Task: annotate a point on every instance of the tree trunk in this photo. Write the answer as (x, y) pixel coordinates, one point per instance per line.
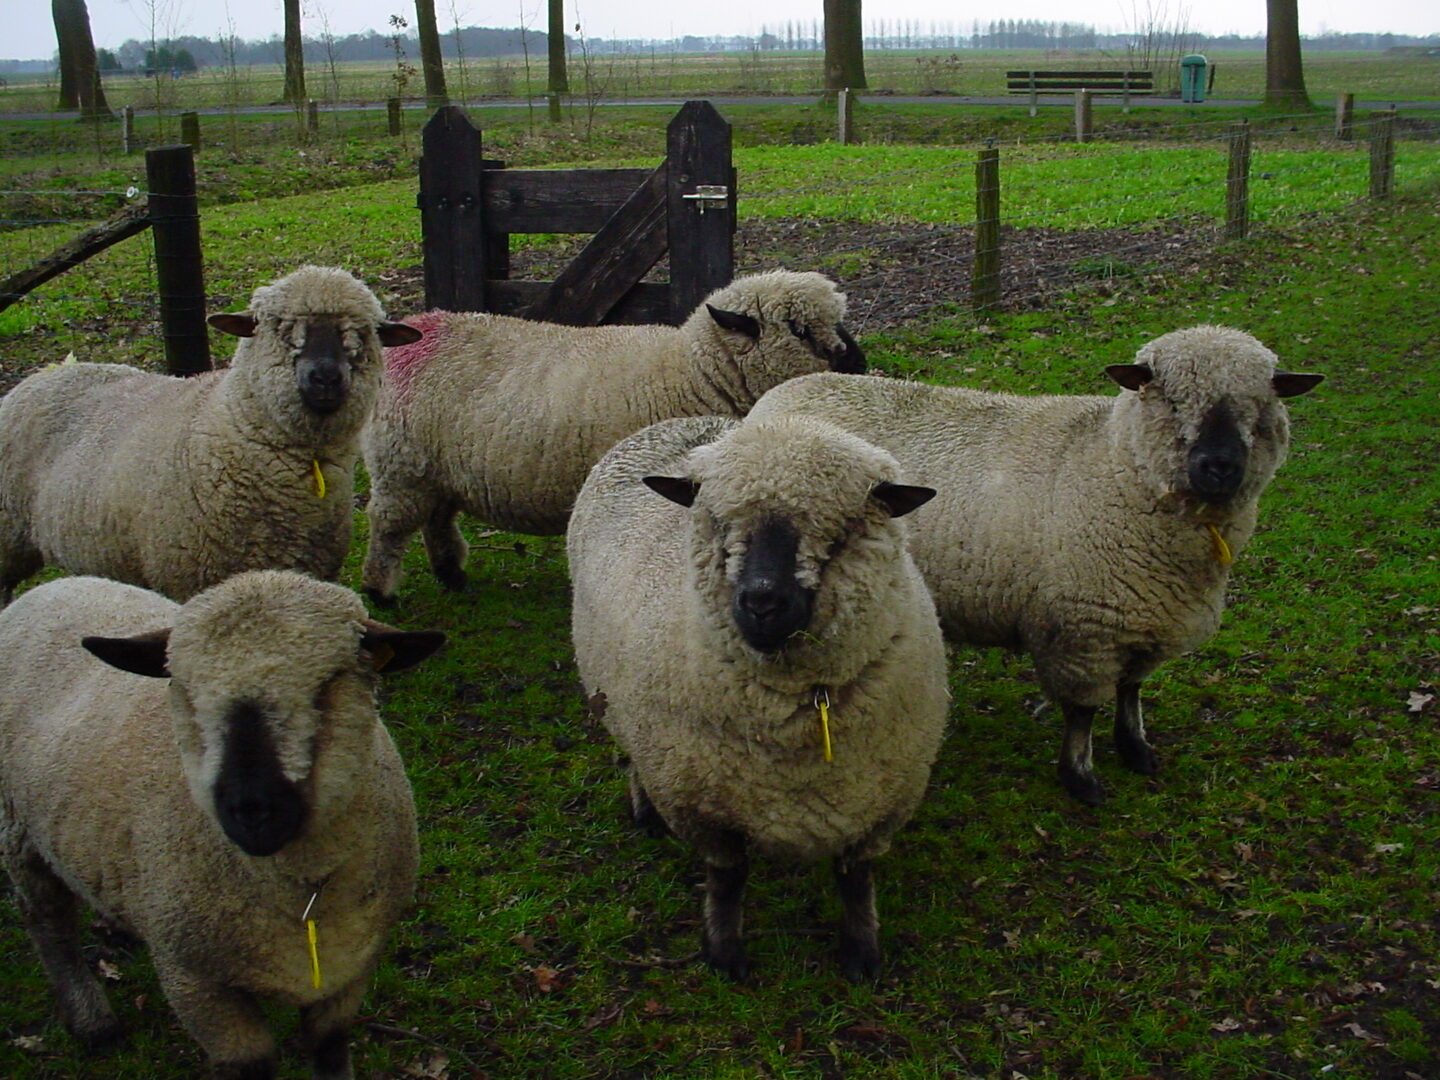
(294, 55)
(431, 62)
(844, 46)
(1284, 74)
(79, 73)
(559, 83)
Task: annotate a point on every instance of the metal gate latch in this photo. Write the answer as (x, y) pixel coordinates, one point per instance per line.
(709, 195)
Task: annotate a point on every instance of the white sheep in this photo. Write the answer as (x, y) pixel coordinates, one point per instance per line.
(502, 418)
(763, 649)
(175, 484)
(1094, 533)
(223, 818)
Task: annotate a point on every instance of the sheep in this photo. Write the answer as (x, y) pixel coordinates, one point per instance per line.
(1094, 533)
(175, 484)
(502, 418)
(250, 821)
(763, 650)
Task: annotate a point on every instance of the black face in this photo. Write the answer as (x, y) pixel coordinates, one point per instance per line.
(322, 373)
(1216, 462)
(770, 605)
(851, 359)
(259, 808)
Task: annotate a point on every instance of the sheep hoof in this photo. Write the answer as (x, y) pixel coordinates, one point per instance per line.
(260, 1069)
(1082, 786)
(101, 1037)
(1138, 757)
(387, 601)
(859, 961)
(730, 960)
(453, 580)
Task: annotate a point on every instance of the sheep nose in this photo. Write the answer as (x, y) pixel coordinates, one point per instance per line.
(1216, 477)
(763, 602)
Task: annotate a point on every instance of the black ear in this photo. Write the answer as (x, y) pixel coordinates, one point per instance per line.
(395, 650)
(1130, 376)
(235, 323)
(398, 333)
(900, 499)
(143, 654)
(677, 489)
(1293, 383)
(737, 321)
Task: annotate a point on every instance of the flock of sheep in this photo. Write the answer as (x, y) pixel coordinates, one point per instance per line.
(768, 551)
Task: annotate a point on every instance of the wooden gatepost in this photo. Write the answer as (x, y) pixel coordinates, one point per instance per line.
(685, 208)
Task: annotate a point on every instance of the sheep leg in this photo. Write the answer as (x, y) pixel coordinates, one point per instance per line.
(48, 911)
(859, 948)
(325, 1028)
(1077, 767)
(642, 810)
(1135, 753)
(227, 1023)
(18, 562)
(445, 546)
(393, 521)
(722, 944)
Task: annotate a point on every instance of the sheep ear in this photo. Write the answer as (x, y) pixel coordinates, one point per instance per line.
(677, 489)
(395, 650)
(900, 499)
(1130, 376)
(235, 323)
(1294, 383)
(143, 654)
(397, 333)
(737, 321)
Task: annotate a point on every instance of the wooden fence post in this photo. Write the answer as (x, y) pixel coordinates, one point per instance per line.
(392, 108)
(179, 267)
(451, 218)
(985, 270)
(312, 116)
(190, 130)
(1237, 183)
(845, 117)
(1345, 117)
(700, 207)
(1082, 116)
(127, 129)
(1382, 154)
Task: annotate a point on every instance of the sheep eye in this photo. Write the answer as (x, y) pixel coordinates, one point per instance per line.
(799, 329)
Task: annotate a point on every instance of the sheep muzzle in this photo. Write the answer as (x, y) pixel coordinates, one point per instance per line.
(259, 808)
(1215, 463)
(322, 370)
(770, 605)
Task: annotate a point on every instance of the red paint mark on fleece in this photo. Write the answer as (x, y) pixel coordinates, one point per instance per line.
(403, 362)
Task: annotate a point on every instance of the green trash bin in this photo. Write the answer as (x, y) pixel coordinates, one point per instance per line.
(1193, 69)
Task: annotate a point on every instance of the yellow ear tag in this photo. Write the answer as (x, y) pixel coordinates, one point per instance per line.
(319, 476)
(822, 702)
(312, 940)
(1222, 550)
(381, 655)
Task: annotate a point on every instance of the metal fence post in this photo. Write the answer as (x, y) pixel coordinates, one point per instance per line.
(985, 270)
(1237, 183)
(179, 267)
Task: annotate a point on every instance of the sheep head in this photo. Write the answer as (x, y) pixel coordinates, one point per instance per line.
(1206, 423)
(272, 698)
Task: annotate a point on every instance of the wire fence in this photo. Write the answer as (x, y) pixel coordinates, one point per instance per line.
(896, 226)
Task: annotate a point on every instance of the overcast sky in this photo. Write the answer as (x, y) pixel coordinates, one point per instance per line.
(115, 21)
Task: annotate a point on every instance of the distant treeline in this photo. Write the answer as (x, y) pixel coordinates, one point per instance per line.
(477, 41)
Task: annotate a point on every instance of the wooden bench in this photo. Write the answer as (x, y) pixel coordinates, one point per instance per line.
(1035, 83)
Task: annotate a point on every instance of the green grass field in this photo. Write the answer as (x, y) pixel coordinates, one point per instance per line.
(1265, 907)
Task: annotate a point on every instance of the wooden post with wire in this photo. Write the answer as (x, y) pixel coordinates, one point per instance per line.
(1083, 115)
(392, 109)
(1345, 117)
(1382, 154)
(179, 266)
(1237, 183)
(190, 130)
(845, 117)
(985, 270)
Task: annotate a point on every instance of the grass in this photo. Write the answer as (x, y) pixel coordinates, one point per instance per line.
(1265, 907)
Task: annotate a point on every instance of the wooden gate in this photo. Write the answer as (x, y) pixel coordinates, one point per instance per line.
(469, 207)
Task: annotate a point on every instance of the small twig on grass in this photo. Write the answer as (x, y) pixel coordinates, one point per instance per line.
(659, 962)
(392, 1029)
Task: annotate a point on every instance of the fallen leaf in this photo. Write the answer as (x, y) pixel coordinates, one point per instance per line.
(107, 970)
(1388, 849)
(546, 978)
(1417, 701)
(28, 1042)
(1228, 1024)
(526, 942)
(430, 1066)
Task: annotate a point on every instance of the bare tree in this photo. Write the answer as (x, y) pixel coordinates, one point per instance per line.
(431, 62)
(1284, 73)
(559, 83)
(844, 46)
(294, 55)
(79, 73)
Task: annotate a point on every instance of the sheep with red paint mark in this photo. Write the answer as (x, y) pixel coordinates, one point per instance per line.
(213, 778)
(750, 628)
(1094, 533)
(176, 484)
(502, 418)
